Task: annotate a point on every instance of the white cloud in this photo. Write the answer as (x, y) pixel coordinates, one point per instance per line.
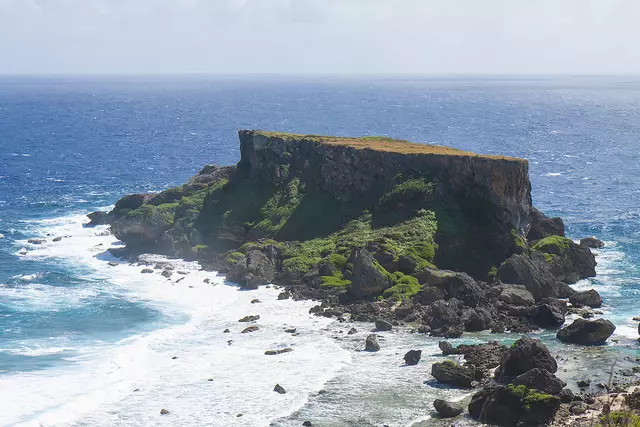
(319, 36)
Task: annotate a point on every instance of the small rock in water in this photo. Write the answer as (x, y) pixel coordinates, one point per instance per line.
(207, 280)
(290, 330)
(307, 424)
(446, 347)
(278, 351)
(255, 301)
(279, 389)
(164, 412)
(210, 379)
(352, 331)
(591, 242)
(36, 241)
(229, 342)
(383, 325)
(57, 239)
(413, 357)
(226, 331)
(249, 318)
(250, 329)
(146, 271)
(239, 415)
(112, 264)
(137, 389)
(447, 409)
(180, 280)
(184, 273)
(174, 357)
(167, 273)
(284, 295)
(371, 344)
(584, 383)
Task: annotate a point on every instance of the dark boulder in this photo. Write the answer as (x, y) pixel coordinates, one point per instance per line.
(516, 295)
(540, 379)
(569, 261)
(591, 242)
(549, 313)
(511, 406)
(98, 218)
(477, 319)
(371, 343)
(482, 356)
(412, 357)
(261, 269)
(446, 347)
(368, 277)
(449, 372)
(447, 409)
(443, 314)
(524, 355)
(383, 325)
(589, 298)
(454, 285)
(537, 279)
(279, 389)
(250, 318)
(430, 294)
(566, 395)
(587, 332)
(542, 226)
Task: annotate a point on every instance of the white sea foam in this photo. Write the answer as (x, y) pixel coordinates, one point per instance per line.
(553, 174)
(97, 387)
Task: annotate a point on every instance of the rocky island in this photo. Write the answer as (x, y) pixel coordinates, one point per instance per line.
(391, 232)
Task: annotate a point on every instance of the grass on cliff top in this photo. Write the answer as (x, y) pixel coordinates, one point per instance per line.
(382, 143)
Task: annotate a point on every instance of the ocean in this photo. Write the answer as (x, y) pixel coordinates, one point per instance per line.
(88, 343)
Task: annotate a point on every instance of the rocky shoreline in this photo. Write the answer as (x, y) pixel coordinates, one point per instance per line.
(362, 225)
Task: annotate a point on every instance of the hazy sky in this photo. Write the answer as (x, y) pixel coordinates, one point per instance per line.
(320, 36)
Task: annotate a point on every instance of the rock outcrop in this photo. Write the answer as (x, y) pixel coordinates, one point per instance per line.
(587, 332)
(450, 234)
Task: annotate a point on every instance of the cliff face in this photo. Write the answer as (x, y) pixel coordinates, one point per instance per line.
(350, 219)
(349, 168)
(411, 205)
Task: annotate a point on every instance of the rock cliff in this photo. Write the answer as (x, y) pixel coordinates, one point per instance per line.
(364, 218)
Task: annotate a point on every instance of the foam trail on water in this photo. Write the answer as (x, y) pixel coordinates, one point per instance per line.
(127, 382)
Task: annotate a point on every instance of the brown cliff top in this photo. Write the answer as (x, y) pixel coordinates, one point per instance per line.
(381, 143)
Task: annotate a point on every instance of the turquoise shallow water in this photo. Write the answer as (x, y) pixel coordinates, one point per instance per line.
(70, 146)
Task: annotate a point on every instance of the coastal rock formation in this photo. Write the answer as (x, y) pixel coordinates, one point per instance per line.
(525, 354)
(589, 298)
(450, 234)
(513, 405)
(447, 409)
(587, 332)
(452, 373)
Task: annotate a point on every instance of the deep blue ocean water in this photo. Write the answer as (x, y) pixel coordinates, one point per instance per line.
(72, 145)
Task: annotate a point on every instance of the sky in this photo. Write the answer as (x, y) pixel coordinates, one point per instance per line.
(320, 37)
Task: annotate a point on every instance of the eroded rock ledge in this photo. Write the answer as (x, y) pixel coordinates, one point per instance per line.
(379, 228)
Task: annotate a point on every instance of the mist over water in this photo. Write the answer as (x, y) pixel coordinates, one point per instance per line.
(77, 336)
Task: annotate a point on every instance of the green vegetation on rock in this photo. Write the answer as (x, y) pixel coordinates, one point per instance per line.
(551, 244)
(529, 396)
(405, 287)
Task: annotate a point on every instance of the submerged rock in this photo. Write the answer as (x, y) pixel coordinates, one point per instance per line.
(250, 318)
(587, 332)
(449, 372)
(591, 242)
(278, 351)
(412, 357)
(383, 325)
(549, 313)
(371, 343)
(447, 409)
(250, 329)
